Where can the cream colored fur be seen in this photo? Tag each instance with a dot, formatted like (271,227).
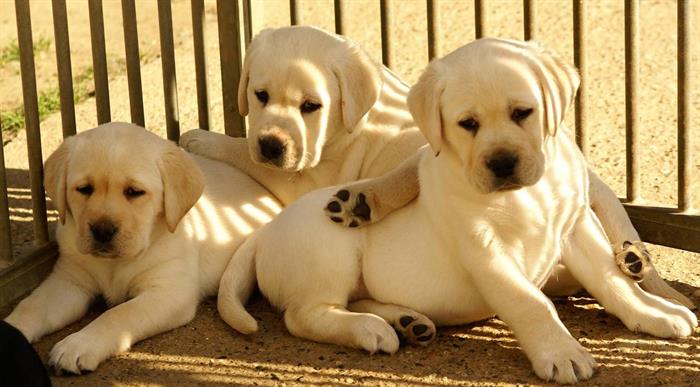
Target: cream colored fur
(469,247)
(170,250)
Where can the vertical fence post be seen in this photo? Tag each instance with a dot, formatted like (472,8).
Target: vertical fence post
(529,15)
(338,13)
(99,61)
(294,12)
(631,81)
(580,61)
(433,12)
(167,54)
(385,15)
(5,236)
(63,64)
(133,65)
(31,120)
(200,63)
(480,18)
(685,157)
(231,64)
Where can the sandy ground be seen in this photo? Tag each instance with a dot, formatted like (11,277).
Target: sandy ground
(207,351)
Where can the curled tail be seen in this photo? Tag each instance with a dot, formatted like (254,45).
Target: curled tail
(237,284)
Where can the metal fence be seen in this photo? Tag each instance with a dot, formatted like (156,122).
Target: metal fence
(677,226)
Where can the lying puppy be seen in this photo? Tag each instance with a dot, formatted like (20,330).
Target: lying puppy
(142,226)
(502,204)
(321,112)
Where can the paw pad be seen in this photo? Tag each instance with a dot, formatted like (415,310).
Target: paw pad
(633,259)
(415,330)
(350,209)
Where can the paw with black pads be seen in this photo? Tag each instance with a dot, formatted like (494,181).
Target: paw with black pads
(349,208)
(633,259)
(415,329)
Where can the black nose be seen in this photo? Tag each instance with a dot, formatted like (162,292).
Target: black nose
(103,231)
(502,165)
(271,147)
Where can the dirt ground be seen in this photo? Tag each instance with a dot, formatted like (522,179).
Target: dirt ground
(206,351)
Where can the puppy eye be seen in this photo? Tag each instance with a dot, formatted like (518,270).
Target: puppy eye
(469,124)
(262,96)
(85,189)
(309,107)
(132,192)
(520,114)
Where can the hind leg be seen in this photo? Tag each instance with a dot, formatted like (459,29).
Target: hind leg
(587,256)
(329,323)
(412,326)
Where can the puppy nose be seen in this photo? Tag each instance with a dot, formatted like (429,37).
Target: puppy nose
(502,165)
(271,147)
(103,231)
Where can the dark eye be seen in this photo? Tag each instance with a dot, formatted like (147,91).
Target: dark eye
(262,96)
(132,192)
(470,124)
(520,114)
(85,189)
(309,107)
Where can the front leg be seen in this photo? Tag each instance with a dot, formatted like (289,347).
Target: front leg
(368,201)
(154,311)
(553,352)
(57,302)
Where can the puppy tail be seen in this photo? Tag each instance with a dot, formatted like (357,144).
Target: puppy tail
(237,284)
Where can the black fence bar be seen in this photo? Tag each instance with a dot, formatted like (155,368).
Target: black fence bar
(386,23)
(63,64)
(5,235)
(685,156)
(338,12)
(133,67)
(580,61)
(631,100)
(433,29)
(479,18)
(230,55)
(31,120)
(529,16)
(247,22)
(294,12)
(200,63)
(99,61)
(167,53)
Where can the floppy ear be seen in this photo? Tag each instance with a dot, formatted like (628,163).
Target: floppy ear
(55,174)
(183,184)
(360,84)
(559,82)
(424,104)
(243,87)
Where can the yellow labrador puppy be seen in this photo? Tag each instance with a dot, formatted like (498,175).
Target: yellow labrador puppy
(142,224)
(321,112)
(505,200)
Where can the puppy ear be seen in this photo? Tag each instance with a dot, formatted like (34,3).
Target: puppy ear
(559,82)
(183,184)
(55,174)
(360,84)
(424,105)
(243,87)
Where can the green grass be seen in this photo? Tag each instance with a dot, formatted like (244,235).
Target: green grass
(49,102)
(11,52)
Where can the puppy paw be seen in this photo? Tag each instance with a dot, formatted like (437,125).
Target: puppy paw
(633,259)
(373,334)
(191,140)
(350,209)
(662,319)
(564,363)
(76,354)
(415,329)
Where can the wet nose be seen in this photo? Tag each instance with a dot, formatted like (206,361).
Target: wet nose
(502,165)
(271,147)
(103,231)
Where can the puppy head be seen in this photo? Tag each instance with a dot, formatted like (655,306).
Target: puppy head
(490,105)
(119,185)
(301,88)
